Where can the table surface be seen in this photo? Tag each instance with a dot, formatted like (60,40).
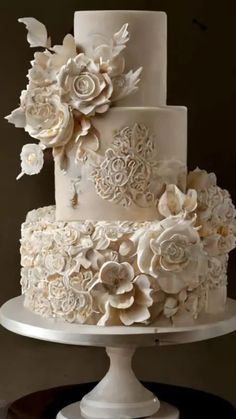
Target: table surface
(192,404)
(16,318)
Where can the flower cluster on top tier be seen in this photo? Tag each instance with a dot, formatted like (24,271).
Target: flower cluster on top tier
(112,273)
(66,89)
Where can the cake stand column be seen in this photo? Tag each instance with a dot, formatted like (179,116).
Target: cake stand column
(119,394)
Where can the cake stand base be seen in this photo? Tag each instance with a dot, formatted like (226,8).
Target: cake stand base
(73,411)
(119,395)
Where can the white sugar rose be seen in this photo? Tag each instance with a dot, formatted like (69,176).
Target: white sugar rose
(217,244)
(31,160)
(106,233)
(224,210)
(32,277)
(215,208)
(81,281)
(84,87)
(56,287)
(70,304)
(67,236)
(217,271)
(172,252)
(45,117)
(84,308)
(55,261)
(36,301)
(46,214)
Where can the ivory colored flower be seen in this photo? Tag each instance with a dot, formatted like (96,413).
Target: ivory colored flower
(55,261)
(31,160)
(84,87)
(216,214)
(117,278)
(44,117)
(217,271)
(126,299)
(217,244)
(67,235)
(173,254)
(173,201)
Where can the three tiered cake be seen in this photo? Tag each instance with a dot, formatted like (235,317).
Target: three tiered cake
(133,237)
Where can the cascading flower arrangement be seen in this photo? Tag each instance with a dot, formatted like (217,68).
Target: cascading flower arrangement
(66,89)
(118,272)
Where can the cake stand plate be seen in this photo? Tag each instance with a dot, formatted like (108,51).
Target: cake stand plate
(119,394)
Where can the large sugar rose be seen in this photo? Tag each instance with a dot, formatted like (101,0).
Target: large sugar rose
(44,117)
(172,252)
(84,87)
(47,118)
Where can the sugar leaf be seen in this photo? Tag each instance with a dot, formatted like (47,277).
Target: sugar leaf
(37,33)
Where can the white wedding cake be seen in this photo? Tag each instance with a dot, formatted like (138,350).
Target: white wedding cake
(133,237)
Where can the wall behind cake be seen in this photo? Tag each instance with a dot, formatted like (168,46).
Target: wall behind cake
(201,75)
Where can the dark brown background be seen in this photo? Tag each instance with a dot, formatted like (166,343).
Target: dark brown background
(201,75)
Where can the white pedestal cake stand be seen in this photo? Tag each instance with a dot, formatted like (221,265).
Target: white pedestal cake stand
(119,394)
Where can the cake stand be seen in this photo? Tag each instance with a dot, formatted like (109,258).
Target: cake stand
(119,394)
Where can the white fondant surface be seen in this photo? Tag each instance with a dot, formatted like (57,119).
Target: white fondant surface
(168,125)
(147,47)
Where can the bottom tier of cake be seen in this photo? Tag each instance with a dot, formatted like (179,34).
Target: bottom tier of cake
(122,273)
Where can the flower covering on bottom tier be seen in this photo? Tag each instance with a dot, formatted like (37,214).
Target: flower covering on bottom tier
(122,272)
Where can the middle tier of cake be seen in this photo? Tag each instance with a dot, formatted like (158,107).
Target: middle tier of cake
(119,172)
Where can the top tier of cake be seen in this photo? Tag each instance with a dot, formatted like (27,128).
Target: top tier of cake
(147,47)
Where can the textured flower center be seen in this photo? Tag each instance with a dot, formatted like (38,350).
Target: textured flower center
(31,158)
(54,262)
(84,85)
(173,252)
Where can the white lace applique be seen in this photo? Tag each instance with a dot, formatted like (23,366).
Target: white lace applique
(125,174)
